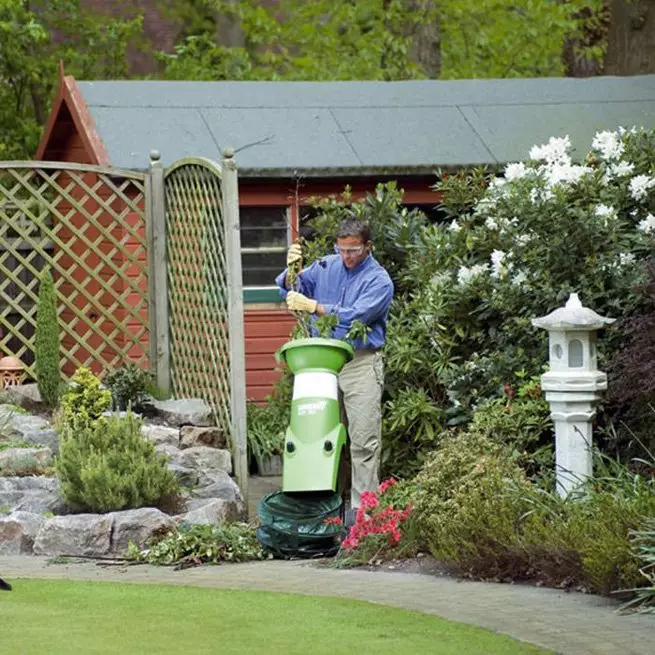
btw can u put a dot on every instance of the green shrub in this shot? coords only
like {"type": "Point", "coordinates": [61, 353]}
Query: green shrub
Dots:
{"type": "Point", "coordinates": [108, 466]}
{"type": "Point", "coordinates": [643, 543]}
{"type": "Point", "coordinates": [191, 545]}
{"type": "Point", "coordinates": [475, 509]}
{"type": "Point", "coordinates": [128, 386]}
{"type": "Point", "coordinates": [84, 401]}
{"type": "Point", "coordinates": [46, 342]}
{"type": "Point", "coordinates": [464, 509]}
{"type": "Point", "coordinates": [267, 424]}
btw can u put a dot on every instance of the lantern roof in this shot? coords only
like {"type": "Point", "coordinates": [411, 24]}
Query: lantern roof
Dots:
{"type": "Point", "coordinates": [573, 316]}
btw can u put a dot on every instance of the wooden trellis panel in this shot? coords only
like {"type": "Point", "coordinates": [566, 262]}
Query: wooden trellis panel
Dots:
{"type": "Point", "coordinates": [88, 225]}
{"type": "Point", "coordinates": [205, 304]}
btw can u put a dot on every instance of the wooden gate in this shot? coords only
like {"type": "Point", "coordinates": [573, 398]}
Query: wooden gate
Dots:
{"type": "Point", "coordinates": [205, 304]}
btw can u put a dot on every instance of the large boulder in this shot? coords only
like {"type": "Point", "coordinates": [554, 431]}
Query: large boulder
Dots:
{"type": "Point", "coordinates": [137, 526]}
{"type": "Point", "coordinates": [23, 461]}
{"type": "Point", "coordinates": [203, 457]}
{"type": "Point", "coordinates": [161, 435]}
{"type": "Point", "coordinates": [211, 511]}
{"type": "Point", "coordinates": [218, 484]}
{"type": "Point", "coordinates": [99, 535]}
{"type": "Point", "coordinates": [47, 438]}
{"type": "Point", "coordinates": [18, 531]}
{"type": "Point", "coordinates": [17, 424]}
{"type": "Point", "coordinates": [192, 435]}
{"type": "Point", "coordinates": [77, 535]}
{"type": "Point", "coordinates": [26, 396]}
{"type": "Point", "coordinates": [185, 411]}
{"type": "Point", "coordinates": [37, 494]}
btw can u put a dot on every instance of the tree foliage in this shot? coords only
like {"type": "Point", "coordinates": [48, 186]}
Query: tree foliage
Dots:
{"type": "Point", "coordinates": [35, 35]}
{"type": "Point", "coordinates": [385, 39]}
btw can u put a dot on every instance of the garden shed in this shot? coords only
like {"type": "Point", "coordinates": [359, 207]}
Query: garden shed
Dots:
{"type": "Point", "coordinates": [296, 140]}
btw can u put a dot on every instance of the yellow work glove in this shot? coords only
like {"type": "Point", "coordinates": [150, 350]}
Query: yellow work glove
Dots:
{"type": "Point", "coordinates": [294, 254]}
{"type": "Point", "coordinates": [296, 302]}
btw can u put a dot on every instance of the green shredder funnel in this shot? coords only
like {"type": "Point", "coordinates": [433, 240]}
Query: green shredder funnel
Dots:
{"type": "Point", "coordinates": [315, 436]}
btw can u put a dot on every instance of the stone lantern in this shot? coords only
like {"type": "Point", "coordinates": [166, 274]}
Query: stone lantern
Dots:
{"type": "Point", "coordinates": [572, 387]}
{"type": "Point", "coordinates": [11, 371]}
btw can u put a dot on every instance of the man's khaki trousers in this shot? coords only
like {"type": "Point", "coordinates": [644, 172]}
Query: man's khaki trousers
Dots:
{"type": "Point", "coordinates": [360, 392]}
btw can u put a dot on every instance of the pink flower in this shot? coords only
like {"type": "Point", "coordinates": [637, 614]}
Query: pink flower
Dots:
{"type": "Point", "coordinates": [389, 482]}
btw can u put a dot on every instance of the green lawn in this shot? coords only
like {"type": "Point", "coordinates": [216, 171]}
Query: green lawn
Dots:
{"type": "Point", "coordinates": [53, 617]}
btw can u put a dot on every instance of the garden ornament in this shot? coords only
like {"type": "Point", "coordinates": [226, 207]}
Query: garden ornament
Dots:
{"type": "Point", "coordinates": [11, 371]}
{"type": "Point", "coordinates": [572, 387]}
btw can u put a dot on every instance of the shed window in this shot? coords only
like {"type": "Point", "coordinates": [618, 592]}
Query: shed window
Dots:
{"type": "Point", "coordinates": [264, 240]}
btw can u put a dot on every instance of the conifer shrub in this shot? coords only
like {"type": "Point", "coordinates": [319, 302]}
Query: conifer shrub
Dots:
{"type": "Point", "coordinates": [46, 342]}
{"type": "Point", "coordinates": [84, 401]}
{"type": "Point", "coordinates": [105, 464]}
{"type": "Point", "coordinates": [109, 466]}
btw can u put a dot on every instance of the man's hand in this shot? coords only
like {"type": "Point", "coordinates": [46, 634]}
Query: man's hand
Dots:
{"type": "Point", "coordinates": [294, 254]}
{"type": "Point", "coordinates": [296, 302]}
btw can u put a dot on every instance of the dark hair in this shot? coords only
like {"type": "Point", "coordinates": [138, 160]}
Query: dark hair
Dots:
{"type": "Point", "coordinates": [353, 227]}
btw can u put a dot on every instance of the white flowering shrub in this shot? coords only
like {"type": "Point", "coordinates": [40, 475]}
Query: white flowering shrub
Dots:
{"type": "Point", "coordinates": [512, 248]}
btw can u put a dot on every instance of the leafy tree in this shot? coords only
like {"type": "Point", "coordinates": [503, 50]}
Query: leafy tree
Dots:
{"type": "Point", "coordinates": [35, 35]}
{"type": "Point", "coordinates": [386, 39]}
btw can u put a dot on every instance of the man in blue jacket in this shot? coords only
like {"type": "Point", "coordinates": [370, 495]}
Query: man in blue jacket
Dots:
{"type": "Point", "coordinates": [352, 285]}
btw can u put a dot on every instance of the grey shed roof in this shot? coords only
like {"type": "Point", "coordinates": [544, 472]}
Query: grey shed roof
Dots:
{"type": "Point", "coordinates": [283, 129]}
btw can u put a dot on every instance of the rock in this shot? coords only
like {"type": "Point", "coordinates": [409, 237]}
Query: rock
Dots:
{"type": "Point", "coordinates": [171, 452]}
{"type": "Point", "coordinates": [18, 531]}
{"type": "Point", "coordinates": [203, 457]}
{"type": "Point", "coordinates": [186, 477]}
{"type": "Point", "coordinates": [212, 511]}
{"type": "Point", "coordinates": [47, 438]}
{"type": "Point", "coordinates": [191, 435]}
{"type": "Point", "coordinates": [189, 411]}
{"type": "Point", "coordinates": [219, 485]}
{"type": "Point", "coordinates": [17, 461]}
{"type": "Point", "coordinates": [136, 525]}
{"type": "Point", "coordinates": [26, 396]}
{"type": "Point", "coordinates": [35, 494]}
{"type": "Point", "coordinates": [17, 425]}
{"type": "Point", "coordinates": [77, 535]}
{"type": "Point", "coordinates": [160, 434]}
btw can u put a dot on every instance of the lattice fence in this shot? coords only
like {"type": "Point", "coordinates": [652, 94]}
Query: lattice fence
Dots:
{"type": "Point", "coordinates": [87, 224]}
{"type": "Point", "coordinates": [197, 288]}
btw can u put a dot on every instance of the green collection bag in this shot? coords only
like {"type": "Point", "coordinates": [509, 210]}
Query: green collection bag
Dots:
{"type": "Point", "coordinates": [293, 525]}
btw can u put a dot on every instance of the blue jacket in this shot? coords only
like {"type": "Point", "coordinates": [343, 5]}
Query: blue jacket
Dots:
{"type": "Point", "coordinates": [363, 293]}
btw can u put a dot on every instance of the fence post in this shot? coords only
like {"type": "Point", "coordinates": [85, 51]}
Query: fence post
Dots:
{"type": "Point", "coordinates": [230, 193]}
{"type": "Point", "coordinates": [158, 274]}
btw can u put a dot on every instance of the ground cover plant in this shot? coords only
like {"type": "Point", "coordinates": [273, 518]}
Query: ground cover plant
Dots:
{"type": "Point", "coordinates": [127, 618]}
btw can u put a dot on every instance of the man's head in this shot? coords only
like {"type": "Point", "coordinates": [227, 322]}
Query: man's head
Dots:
{"type": "Point", "coordinates": [353, 242]}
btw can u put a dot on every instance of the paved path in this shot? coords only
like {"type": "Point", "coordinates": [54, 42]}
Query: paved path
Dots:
{"type": "Point", "coordinates": [569, 623]}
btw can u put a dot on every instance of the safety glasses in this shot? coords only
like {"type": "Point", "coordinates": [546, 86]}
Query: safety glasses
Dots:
{"type": "Point", "coordinates": [349, 251]}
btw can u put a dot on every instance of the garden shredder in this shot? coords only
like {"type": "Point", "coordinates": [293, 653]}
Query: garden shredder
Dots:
{"type": "Point", "coordinates": [296, 521]}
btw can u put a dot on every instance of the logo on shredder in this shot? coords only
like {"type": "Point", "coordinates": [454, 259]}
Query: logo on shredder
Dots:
{"type": "Point", "coordinates": [312, 408]}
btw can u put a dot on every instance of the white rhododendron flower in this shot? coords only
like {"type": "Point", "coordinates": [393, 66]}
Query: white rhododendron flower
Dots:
{"type": "Point", "coordinates": [466, 274]}
{"type": "Point", "coordinates": [626, 258]}
{"type": "Point", "coordinates": [498, 263]}
{"type": "Point", "coordinates": [454, 226]}
{"type": "Point", "coordinates": [622, 168]}
{"type": "Point", "coordinates": [609, 145]}
{"type": "Point", "coordinates": [554, 151]}
{"type": "Point", "coordinates": [647, 225]}
{"type": "Point", "coordinates": [516, 171]}
{"type": "Point", "coordinates": [490, 224]}
{"type": "Point", "coordinates": [639, 186]}
{"type": "Point", "coordinates": [519, 279]}
{"type": "Point", "coordinates": [565, 172]}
